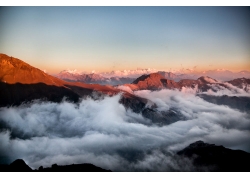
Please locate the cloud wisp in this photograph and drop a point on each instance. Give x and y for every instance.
(228, 89)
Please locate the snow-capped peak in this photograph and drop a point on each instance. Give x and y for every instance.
(128, 73)
(220, 69)
(70, 71)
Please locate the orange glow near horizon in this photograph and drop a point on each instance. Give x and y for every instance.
(104, 39)
(231, 67)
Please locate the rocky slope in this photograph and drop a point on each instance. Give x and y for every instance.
(22, 83)
(14, 70)
(154, 81)
(242, 83)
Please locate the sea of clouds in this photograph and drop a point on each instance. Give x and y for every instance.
(104, 133)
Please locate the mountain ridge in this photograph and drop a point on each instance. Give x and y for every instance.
(92, 78)
(203, 156)
(24, 91)
(156, 81)
(14, 70)
(19, 165)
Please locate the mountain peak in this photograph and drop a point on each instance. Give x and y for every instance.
(153, 81)
(13, 70)
(70, 71)
(20, 165)
(152, 76)
(207, 79)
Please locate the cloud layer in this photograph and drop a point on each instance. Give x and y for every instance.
(229, 90)
(104, 133)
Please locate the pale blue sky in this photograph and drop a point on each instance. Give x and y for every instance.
(116, 38)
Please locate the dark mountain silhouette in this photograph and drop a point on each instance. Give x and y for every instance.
(211, 157)
(204, 157)
(16, 94)
(16, 166)
(20, 166)
(73, 168)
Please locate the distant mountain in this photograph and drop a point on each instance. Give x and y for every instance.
(225, 75)
(177, 77)
(243, 74)
(128, 76)
(202, 85)
(128, 73)
(86, 78)
(93, 78)
(219, 74)
(117, 77)
(35, 84)
(20, 82)
(156, 81)
(242, 83)
(139, 72)
(210, 157)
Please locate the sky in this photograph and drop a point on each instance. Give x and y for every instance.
(118, 38)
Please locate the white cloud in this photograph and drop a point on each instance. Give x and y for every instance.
(102, 132)
(229, 90)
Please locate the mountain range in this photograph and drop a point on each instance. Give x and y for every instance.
(128, 76)
(21, 83)
(156, 81)
(92, 78)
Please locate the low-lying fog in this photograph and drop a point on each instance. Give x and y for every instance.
(104, 133)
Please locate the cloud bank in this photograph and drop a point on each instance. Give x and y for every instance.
(104, 133)
(229, 90)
